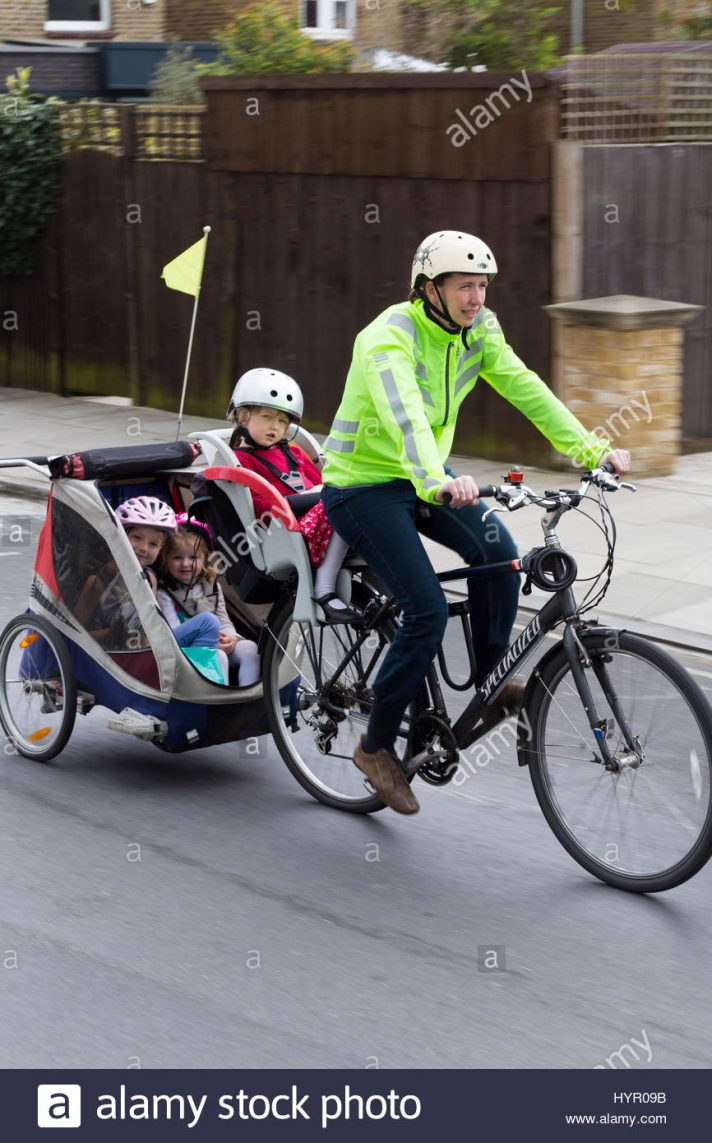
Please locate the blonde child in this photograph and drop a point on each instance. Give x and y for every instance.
(266, 406)
(104, 605)
(188, 593)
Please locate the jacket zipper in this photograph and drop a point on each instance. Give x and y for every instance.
(447, 382)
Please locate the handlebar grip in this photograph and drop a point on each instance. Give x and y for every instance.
(607, 467)
(484, 491)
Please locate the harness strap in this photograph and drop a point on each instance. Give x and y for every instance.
(292, 479)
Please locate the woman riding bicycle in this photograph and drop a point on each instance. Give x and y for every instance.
(412, 367)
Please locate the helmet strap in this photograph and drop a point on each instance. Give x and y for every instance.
(442, 316)
(242, 433)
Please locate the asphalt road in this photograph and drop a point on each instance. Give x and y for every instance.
(201, 910)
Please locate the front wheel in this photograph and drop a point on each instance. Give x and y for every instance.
(318, 695)
(38, 690)
(645, 825)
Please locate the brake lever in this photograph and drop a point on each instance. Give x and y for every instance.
(510, 503)
(490, 511)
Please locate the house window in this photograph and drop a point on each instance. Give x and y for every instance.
(78, 15)
(329, 19)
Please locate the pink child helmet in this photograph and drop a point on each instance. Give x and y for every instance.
(148, 511)
(192, 524)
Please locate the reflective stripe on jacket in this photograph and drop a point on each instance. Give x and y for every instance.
(407, 380)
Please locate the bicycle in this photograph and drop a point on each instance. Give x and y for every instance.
(616, 734)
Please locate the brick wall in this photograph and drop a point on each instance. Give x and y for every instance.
(379, 24)
(198, 20)
(605, 370)
(22, 17)
(136, 22)
(129, 19)
(635, 21)
(632, 22)
(55, 71)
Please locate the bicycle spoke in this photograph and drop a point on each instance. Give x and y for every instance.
(334, 664)
(642, 819)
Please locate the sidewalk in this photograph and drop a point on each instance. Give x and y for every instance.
(662, 579)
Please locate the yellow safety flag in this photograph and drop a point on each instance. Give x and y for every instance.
(185, 272)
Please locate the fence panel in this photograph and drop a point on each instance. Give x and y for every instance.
(316, 212)
(655, 242)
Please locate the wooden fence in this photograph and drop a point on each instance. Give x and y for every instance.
(647, 230)
(318, 190)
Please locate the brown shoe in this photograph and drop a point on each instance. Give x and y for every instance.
(385, 774)
(508, 702)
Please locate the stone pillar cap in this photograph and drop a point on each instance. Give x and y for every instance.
(624, 311)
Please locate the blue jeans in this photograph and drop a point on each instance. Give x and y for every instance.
(380, 522)
(202, 630)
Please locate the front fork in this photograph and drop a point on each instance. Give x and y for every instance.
(578, 660)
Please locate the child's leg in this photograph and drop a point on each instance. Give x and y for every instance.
(201, 630)
(245, 657)
(325, 578)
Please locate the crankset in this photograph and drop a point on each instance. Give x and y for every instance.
(435, 754)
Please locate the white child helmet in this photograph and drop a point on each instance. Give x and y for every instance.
(148, 511)
(450, 251)
(271, 390)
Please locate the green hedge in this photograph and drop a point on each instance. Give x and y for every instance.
(30, 157)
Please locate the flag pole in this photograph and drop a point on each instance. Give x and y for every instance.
(206, 232)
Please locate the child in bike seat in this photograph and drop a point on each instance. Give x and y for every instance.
(188, 593)
(105, 606)
(267, 407)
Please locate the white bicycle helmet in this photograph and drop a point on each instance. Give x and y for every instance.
(269, 389)
(450, 251)
(148, 511)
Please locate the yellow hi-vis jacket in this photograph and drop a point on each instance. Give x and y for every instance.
(407, 380)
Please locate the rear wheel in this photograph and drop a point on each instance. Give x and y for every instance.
(647, 824)
(317, 711)
(38, 691)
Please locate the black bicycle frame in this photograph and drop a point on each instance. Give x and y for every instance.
(561, 607)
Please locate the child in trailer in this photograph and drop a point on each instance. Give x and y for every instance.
(265, 405)
(105, 606)
(188, 592)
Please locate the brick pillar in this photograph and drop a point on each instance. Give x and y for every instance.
(621, 371)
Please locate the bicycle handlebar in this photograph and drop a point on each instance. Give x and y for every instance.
(513, 496)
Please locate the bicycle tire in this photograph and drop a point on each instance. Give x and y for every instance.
(328, 775)
(38, 690)
(647, 828)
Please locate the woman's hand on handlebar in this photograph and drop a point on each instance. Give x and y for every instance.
(460, 491)
(619, 459)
